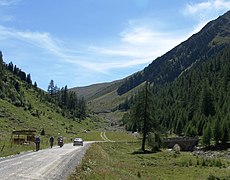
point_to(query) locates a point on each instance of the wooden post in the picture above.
(2, 147)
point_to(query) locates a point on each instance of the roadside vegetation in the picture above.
(120, 136)
(53, 124)
(24, 106)
(119, 160)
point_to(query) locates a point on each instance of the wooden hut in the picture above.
(23, 136)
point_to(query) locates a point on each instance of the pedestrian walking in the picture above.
(37, 143)
(51, 141)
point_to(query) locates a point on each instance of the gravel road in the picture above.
(56, 163)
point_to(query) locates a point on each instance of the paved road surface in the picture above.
(56, 163)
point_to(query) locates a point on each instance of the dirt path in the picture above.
(104, 137)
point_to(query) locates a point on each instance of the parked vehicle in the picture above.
(78, 141)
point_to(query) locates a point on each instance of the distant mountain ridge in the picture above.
(96, 90)
(214, 37)
(200, 47)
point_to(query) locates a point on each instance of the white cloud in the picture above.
(42, 40)
(4, 4)
(139, 35)
(8, 2)
(206, 11)
(207, 7)
(137, 45)
(104, 67)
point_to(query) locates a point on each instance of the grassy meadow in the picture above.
(118, 160)
(42, 116)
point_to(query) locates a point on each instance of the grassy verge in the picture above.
(7, 149)
(119, 136)
(90, 136)
(117, 161)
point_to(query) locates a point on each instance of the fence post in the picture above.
(2, 147)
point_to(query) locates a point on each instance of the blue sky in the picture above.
(82, 42)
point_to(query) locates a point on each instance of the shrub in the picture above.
(154, 141)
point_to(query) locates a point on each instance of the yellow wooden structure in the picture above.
(23, 136)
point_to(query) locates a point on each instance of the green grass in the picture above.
(120, 136)
(110, 100)
(49, 118)
(117, 161)
(8, 148)
(90, 136)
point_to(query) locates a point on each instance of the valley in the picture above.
(183, 93)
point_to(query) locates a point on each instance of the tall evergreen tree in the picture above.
(28, 79)
(82, 108)
(10, 66)
(142, 114)
(1, 66)
(217, 134)
(191, 131)
(35, 85)
(207, 135)
(51, 88)
(1, 61)
(225, 132)
(207, 103)
(65, 96)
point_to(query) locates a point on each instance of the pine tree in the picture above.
(1, 62)
(179, 127)
(207, 135)
(142, 114)
(217, 134)
(1, 67)
(225, 132)
(207, 103)
(51, 88)
(191, 131)
(82, 108)
(28, 79)
(35, 85)
(64, 96)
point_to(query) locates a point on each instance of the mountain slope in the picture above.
(213, 38)
(97, 90)
(200, 47)
(24, 106)
(196, 100)
(177, 63)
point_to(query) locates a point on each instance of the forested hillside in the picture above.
(196, 102)
(190, 83)
(190, 86)
(12, 80)
(23, 105)
(207, 43)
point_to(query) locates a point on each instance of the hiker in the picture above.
(37, 143)
(51, 141)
